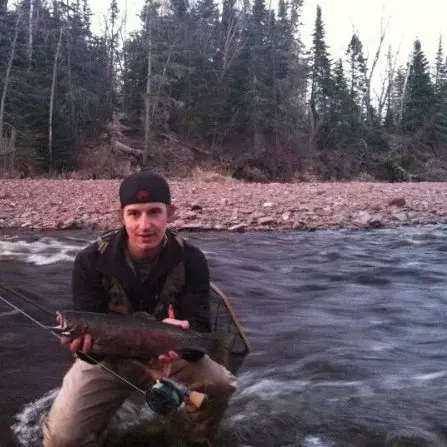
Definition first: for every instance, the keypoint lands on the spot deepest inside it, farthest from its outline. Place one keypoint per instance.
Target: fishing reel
(166, 396)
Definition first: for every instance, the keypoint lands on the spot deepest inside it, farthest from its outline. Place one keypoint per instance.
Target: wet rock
(240, 228)
(361, 219)
(70, 224)
(193, 226)
(364, 219)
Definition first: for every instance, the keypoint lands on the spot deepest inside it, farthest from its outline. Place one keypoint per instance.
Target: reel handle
(194, 397)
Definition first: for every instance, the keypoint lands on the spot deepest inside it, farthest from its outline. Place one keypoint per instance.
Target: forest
(227, 86)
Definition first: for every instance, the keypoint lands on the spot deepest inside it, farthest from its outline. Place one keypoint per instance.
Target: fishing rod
(164, 397)
(24, 298)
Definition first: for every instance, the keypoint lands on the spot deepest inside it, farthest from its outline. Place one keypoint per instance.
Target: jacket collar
(113, 262)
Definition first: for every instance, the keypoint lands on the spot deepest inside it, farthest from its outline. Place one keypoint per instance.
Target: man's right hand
(83, 343)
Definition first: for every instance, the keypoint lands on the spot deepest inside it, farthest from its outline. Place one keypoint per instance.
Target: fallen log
(124, 148)
(188, 146)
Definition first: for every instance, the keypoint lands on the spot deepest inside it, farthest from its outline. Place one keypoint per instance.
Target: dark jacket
(91, 266)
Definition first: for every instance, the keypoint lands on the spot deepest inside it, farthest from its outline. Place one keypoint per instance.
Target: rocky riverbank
(227, 205)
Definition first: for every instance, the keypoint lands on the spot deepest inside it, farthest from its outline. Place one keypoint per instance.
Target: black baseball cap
(144, 187)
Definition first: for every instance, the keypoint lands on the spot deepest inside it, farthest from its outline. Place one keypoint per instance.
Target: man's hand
(166, 360)
(184, 324)
(83, 343)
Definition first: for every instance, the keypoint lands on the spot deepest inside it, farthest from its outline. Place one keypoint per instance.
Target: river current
(349, 335)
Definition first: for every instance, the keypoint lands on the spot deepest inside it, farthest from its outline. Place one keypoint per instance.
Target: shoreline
(229, 205)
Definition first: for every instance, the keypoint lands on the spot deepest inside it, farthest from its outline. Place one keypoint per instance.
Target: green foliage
(234, 75)
(80, 94)
(420, 95)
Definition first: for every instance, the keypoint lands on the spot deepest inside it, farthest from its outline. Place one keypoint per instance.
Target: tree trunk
(3, 6)
(7, 76)
(53, 89)
(404, 94)
(70, 77)
(147, 99)
(30, 33)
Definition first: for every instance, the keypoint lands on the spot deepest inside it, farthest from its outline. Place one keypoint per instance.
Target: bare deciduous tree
(147, 98)
(53, 90)
(8, 75)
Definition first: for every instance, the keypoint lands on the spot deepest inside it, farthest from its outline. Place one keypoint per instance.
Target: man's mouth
(147, 236)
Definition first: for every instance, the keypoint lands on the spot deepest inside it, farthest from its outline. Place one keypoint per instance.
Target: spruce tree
(420, 96)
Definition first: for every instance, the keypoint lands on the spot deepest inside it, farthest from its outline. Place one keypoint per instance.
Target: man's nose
(145, 221)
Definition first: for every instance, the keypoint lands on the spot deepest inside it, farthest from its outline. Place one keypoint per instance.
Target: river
(348, 330)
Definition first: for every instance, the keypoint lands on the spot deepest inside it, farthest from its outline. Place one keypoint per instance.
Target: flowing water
(349, 332)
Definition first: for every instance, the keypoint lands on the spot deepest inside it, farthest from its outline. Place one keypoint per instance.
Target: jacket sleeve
(87, 288)
(194, 303)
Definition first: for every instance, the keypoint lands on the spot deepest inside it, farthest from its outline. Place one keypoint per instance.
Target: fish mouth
(62, 328)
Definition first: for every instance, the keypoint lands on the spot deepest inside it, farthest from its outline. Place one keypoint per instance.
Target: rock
(401, 217)
(362, 219)
(366, 220)
(399, 201)
(286, 216)
(267, 205)
(70, 224)
(238, 227)
(266, 221)
(193, 226)
(196, 207)
(189, 215)
(376, 222)
(179, 222)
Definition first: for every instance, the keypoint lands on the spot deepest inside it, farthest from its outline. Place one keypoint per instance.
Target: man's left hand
(168, 358)
(184, 324)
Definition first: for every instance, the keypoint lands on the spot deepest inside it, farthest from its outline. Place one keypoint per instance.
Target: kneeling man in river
(142, 267)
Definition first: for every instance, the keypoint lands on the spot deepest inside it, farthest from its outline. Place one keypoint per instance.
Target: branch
(188, 146)
(136, 153)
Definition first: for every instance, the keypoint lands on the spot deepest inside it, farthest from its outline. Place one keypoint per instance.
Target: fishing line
(28, 316)
(26, 299)
(123, 379)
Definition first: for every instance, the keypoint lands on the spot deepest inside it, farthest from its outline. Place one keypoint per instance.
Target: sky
(406, 21)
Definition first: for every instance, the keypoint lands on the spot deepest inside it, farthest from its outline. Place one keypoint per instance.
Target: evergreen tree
(357, 79)
(419, 97)
(341, 107)
(320, 69)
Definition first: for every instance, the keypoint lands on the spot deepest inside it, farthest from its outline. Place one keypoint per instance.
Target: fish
(139, 335)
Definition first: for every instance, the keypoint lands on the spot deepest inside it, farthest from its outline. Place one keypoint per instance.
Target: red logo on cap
(142, 195)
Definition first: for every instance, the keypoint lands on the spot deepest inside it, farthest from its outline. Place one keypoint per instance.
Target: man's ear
(171, 212)
(120, 214)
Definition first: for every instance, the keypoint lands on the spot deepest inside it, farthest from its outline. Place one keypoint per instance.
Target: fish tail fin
(219, 346)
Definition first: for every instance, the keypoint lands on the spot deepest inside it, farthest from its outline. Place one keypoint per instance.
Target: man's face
(146, 224)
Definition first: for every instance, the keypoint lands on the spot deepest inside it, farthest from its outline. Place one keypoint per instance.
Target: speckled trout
(138, 335)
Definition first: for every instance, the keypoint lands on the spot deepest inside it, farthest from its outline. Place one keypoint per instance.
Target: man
(141, 267)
